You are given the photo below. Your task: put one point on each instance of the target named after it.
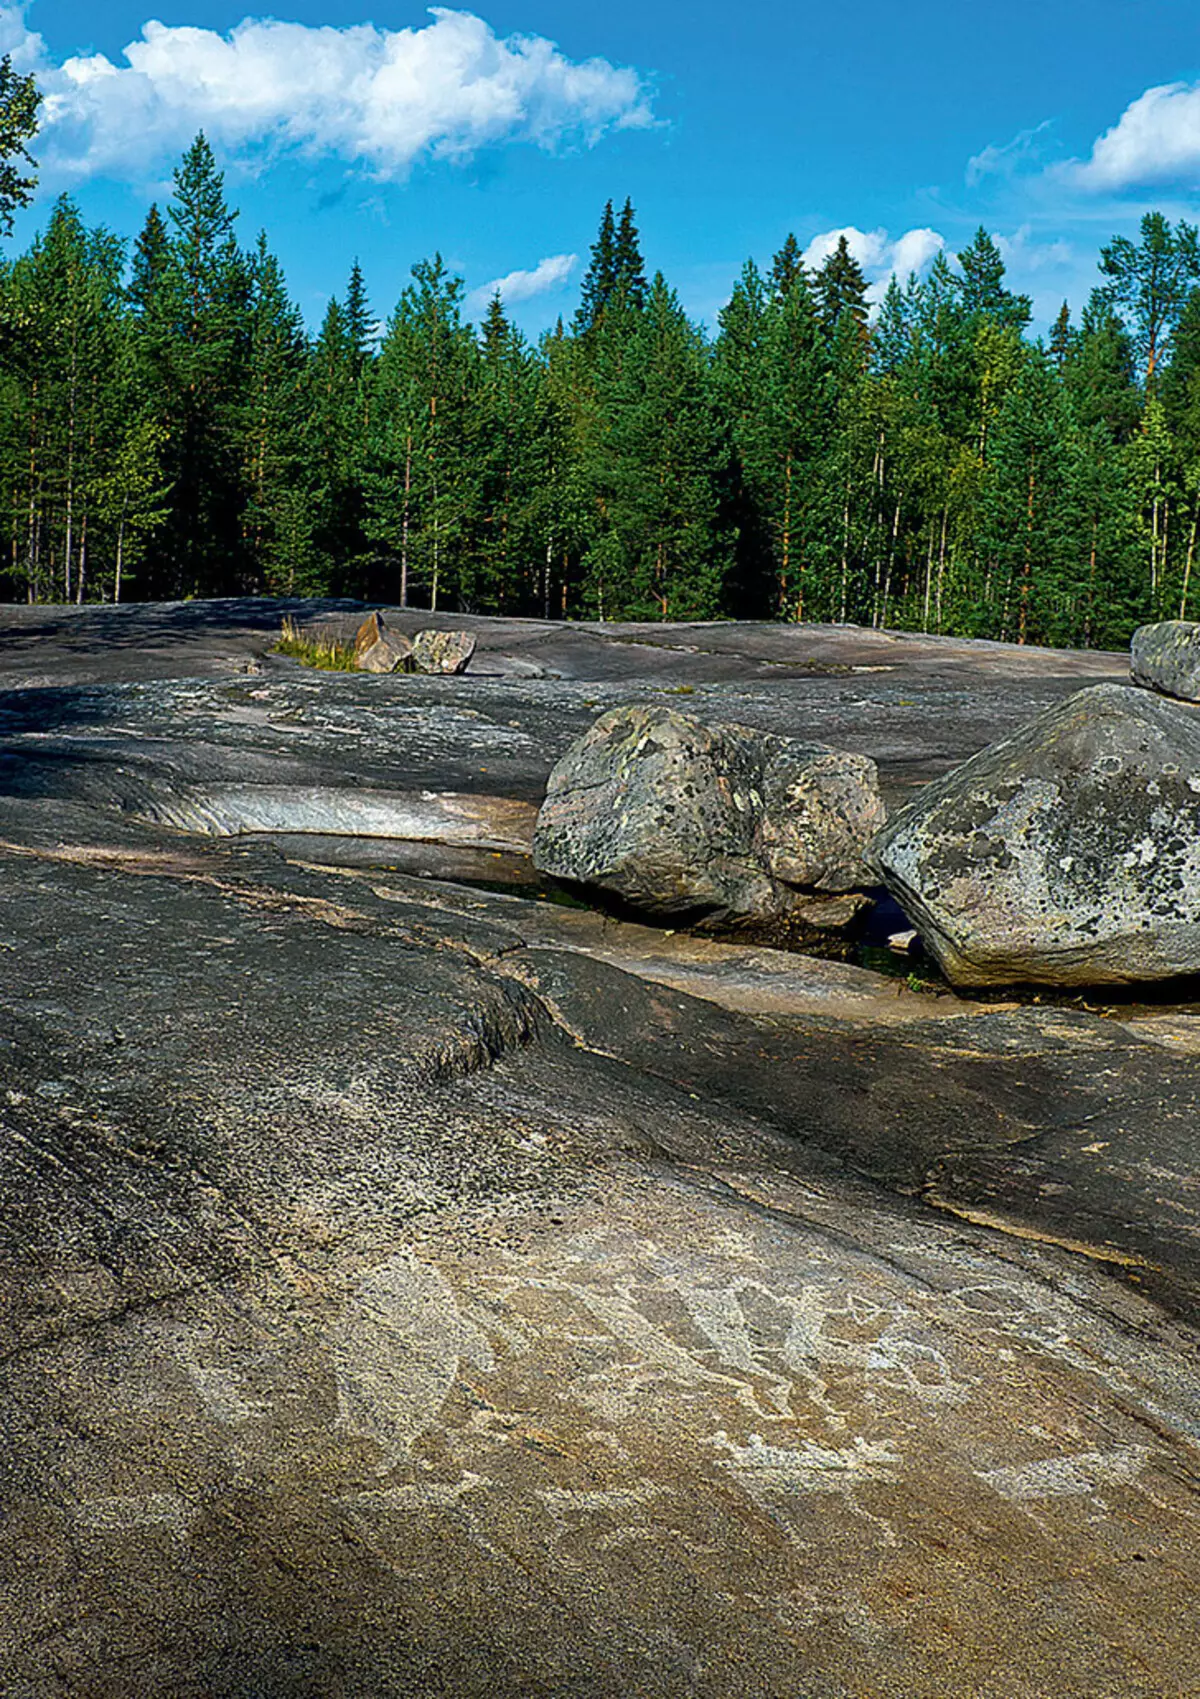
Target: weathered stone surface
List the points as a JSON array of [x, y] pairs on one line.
[[368, 634], [1166, 657], [442, 651], [378, 648], [675, 817], [820, 808], [410, 1289], [1067, 854]]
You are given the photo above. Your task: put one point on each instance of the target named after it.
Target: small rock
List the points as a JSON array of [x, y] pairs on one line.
[[392, 651], [378, 649], [368, 634], [1067, 854], [903, 942], [442, 651], [1166, 657]]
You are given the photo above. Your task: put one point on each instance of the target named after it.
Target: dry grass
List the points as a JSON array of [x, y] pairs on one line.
[[323, 653]]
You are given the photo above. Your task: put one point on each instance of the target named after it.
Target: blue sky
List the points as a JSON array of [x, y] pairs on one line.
[[381, 130]]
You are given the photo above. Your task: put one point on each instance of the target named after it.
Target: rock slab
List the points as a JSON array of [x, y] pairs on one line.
[[1067, 854], [677, 818], [1166, 657]]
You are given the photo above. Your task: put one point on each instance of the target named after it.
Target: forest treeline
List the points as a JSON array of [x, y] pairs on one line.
[[170, 429]]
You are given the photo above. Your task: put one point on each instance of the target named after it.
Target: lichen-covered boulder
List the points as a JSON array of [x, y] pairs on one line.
[[1166, 657], [1067, 854], [820, 807], [442, 651], [675, 817]]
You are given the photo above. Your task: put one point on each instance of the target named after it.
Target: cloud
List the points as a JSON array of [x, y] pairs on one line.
[[547, 274], [1155, 140], [1025, 252], [27, 48], [1006, 160], [880, 257], [379, 99]]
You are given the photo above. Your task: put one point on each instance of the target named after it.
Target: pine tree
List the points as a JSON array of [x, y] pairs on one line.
[[1098, 373], [892, 337], [499, 571], [1025, 513], [786, 441], [197, 348], [1151, 282]]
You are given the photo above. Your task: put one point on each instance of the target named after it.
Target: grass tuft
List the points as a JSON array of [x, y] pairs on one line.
[[324, 654]]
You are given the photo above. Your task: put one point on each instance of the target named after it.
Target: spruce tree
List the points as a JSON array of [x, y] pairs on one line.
[[786, 268], [1062, 337], [600, 279], [662, 551], [981, 285], [840, 287], [422, 484], [629, 275], [275, 467]]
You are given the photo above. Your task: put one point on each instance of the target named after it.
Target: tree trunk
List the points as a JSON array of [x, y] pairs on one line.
[[404, 520], [1027, 563], [1191, 555], [942, 564]]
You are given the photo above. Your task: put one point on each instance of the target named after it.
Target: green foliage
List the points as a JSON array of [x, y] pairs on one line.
[[19, 103], [168, 427], [1151, 282]]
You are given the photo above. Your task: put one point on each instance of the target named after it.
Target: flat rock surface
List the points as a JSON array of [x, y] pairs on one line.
[[409, 1288]]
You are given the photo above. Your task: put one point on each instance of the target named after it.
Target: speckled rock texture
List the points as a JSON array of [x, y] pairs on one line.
[[1166, 657], [675, 817], [442, 651], [1067, 854]]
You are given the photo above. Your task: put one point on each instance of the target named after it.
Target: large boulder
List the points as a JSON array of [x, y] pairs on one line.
[[1166, 657], [442, 651], [678, 818], [1067, 854]]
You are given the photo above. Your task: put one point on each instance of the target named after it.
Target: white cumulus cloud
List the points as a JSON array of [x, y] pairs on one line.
[[379, 99], [547, 274], [1156, 139]]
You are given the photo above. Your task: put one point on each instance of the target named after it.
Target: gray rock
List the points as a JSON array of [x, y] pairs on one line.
[[442, 651], [819, 808], [1067, 854], [676, 817], [1166, 657]]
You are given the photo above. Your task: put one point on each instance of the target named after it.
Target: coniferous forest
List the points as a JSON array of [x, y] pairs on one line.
[[169, 429]]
